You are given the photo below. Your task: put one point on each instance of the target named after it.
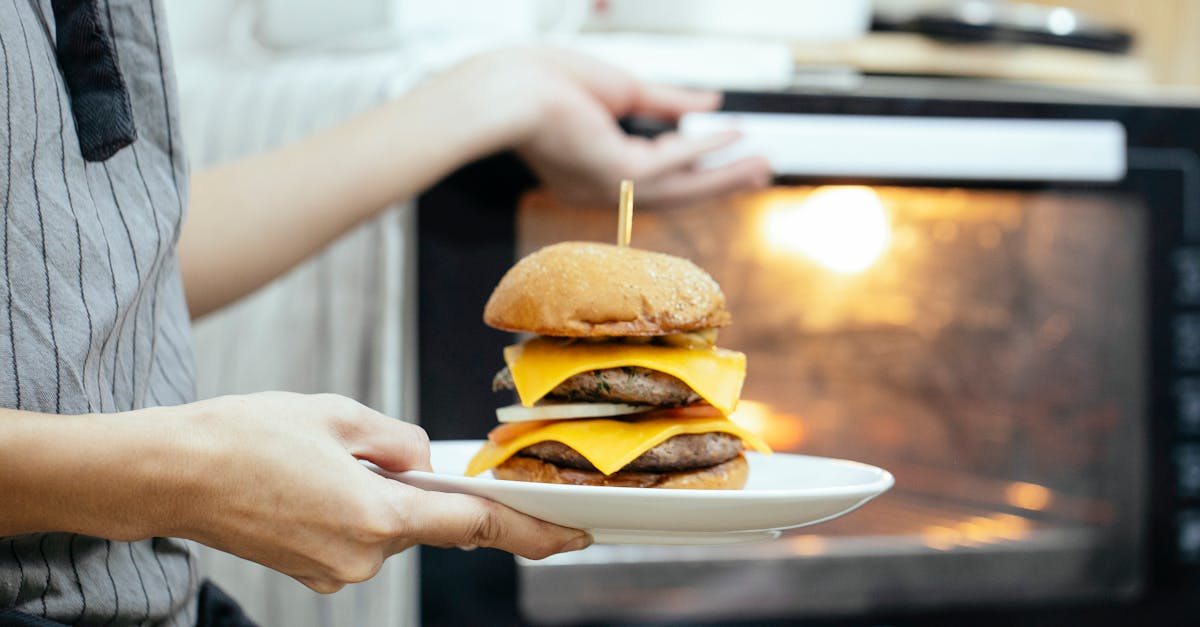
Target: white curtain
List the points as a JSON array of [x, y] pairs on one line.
[[343, 322]]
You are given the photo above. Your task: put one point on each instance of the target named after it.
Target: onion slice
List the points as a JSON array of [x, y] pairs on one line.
[[565, 411]]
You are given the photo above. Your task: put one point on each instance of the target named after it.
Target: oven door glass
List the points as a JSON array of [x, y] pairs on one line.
[[984, 345]]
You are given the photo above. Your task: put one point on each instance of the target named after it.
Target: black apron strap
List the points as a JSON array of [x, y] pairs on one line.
[[13, 618], [99, 100], [218, 609]]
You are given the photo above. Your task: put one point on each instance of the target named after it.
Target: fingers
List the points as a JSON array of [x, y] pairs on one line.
[[441, 519], [662, 101], [389, 443], [615, 88], [689, 186], [623, 94], [672, 151]]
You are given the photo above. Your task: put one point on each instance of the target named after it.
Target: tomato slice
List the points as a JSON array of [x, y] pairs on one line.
[[510, 430], [699, 410]]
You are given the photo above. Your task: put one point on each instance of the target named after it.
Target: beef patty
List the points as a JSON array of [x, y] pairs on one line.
[[682, 452], [629, 384]]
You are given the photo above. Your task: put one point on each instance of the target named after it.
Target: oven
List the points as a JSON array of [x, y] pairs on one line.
[[992, 292]]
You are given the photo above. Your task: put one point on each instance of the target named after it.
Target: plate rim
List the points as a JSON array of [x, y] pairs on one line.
[[883, 482]]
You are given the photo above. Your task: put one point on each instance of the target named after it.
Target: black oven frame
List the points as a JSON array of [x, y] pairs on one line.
[[466, 240]]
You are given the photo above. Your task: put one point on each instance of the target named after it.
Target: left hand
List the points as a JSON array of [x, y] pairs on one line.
[[571, 139]]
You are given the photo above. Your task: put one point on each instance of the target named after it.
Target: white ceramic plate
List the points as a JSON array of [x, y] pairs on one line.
[[783, 491]]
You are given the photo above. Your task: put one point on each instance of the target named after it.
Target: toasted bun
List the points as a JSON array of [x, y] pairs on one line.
[[730, 475], [582, 289]]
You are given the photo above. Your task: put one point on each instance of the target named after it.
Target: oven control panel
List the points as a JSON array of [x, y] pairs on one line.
[[1184, 430]]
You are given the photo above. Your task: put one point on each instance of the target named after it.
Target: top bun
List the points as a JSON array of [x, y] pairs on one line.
[[583, 289]]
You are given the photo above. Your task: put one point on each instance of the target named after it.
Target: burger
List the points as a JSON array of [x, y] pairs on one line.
[[621, 383]]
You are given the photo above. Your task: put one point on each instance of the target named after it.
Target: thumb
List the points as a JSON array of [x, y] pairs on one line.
[[391, 444], [443, 519]]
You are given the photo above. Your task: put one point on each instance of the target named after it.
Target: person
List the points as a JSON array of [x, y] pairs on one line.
[[106, 459]]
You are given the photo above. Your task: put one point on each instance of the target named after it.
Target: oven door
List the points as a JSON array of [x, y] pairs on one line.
[[991, 300]]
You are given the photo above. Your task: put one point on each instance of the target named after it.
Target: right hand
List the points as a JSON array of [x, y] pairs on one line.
[[566, 128], [278, 481]]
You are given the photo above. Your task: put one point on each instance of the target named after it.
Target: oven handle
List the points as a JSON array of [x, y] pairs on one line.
[[937, 148]]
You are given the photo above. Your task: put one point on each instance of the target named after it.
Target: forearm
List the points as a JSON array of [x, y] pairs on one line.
[[110, 475], [271, 477], [253, 219]]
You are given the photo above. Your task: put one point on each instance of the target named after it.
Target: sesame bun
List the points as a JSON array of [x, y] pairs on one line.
[[582, 289], [730, 475]]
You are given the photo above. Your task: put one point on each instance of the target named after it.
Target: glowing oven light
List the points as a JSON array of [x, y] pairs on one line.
[[1027, 495], [975, 532], [782, 432], [844, 228], [807, 544]]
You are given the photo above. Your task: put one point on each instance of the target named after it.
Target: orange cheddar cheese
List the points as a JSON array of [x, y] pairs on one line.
[[609, 444], [540, 365]]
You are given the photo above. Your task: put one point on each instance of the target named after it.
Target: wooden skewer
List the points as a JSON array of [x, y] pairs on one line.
[[625, 214]]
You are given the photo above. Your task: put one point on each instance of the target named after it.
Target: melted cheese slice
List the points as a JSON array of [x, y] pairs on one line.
[[540, 365], [609, 444]]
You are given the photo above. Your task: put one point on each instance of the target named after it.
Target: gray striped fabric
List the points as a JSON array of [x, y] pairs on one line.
[[92, 314]]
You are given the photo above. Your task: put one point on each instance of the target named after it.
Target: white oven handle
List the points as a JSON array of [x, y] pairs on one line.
[[938, 148]]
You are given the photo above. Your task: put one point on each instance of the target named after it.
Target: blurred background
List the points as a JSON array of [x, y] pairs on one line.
[[1011, 341]]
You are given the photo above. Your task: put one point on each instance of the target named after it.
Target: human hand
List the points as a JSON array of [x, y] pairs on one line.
[[275, 478], [570, 137]]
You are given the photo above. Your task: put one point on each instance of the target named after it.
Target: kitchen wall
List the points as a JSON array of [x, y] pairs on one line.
[[1167, 33]]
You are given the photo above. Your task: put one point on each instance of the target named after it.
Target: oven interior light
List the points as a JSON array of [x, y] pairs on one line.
[[844, 228], [1027, 495], [782, 432], [976, 531], [807, 544]]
